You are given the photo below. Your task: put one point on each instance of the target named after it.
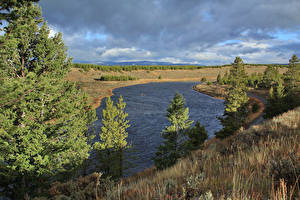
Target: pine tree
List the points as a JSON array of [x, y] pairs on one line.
[[285, 96], [219, 79], [168, 153], [235, 101], [113, 137], [6, 11], [271, 77], [43, 118], [293, 73], [196, 137]]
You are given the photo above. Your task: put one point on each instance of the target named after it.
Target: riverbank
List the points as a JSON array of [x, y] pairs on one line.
[[97, 90], [255, 97]]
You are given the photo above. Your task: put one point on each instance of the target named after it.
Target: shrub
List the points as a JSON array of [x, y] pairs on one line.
[[255, 107], [209, 83], [203, 79], [116, 78]]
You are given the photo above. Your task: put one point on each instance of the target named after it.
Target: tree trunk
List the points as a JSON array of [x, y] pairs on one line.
[[24, 189], [121, 163], [22, 67]]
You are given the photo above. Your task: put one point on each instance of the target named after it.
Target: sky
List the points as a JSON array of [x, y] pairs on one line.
[[205, 32]]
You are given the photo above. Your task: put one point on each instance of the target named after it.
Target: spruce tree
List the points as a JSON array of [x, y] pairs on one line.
[[169, 152], [235, 101], [293, 73], [43, 118], [113, 137], [6, 8], [285, 96], [196, 137], [271, 77], [219, 79]]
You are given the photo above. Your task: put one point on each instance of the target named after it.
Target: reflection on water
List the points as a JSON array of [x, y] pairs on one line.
[[146, 106]]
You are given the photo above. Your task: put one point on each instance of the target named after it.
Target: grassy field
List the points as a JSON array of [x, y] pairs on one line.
[[98, 89], [259, 163]]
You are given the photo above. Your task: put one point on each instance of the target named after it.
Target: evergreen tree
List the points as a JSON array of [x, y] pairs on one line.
[[293, 73], [271, 77], [219, 78], [235, 101], [113, 137], [275, 102], [284, 96], [6, 8], [168, 153], [43, 119], [196, 137], [28, 47]]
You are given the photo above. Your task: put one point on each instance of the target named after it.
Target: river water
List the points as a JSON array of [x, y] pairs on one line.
[[146, 106]]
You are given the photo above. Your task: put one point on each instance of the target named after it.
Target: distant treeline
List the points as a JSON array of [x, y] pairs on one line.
[[87, 67], [116, 78]]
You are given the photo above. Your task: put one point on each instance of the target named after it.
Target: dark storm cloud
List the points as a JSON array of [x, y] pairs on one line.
[[170, 26], [293, 47]]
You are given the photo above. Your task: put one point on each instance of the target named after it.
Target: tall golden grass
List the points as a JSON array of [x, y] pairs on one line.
[[261, 162]]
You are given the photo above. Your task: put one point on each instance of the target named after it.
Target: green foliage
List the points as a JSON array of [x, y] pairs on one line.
[[284, 96], [159, 77], [28, 47], [293, 73], [225, 79], [271, 77], [113, 137], [255, 107], [116, 78], [196, 137], [43, 118], [6, 8], [255, 80], [209, 83], [203, 79], [168, 153], [142, 67], [219, 79], [235, 101]]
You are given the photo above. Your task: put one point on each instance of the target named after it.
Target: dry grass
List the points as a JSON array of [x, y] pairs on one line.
[[217, 91], [259, 163], [98, 89]]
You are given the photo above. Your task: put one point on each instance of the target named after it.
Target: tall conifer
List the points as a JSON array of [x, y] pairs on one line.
[[43, 118], [113, 137], [169, 152], [235, 101]]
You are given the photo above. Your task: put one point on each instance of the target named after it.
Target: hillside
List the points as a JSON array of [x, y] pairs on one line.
[[261, 162]]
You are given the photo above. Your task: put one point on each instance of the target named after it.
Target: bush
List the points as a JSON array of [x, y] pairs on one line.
[[209, 83], [203, 79], [159, 77], [116, 78], [255, 107]]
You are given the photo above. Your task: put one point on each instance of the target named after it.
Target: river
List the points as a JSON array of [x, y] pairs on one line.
[[146, 105]]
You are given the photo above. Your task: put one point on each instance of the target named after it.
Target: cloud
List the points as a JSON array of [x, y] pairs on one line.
[[171, 29]]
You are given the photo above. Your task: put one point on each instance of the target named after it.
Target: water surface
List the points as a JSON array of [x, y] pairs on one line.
[[146, 106]]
